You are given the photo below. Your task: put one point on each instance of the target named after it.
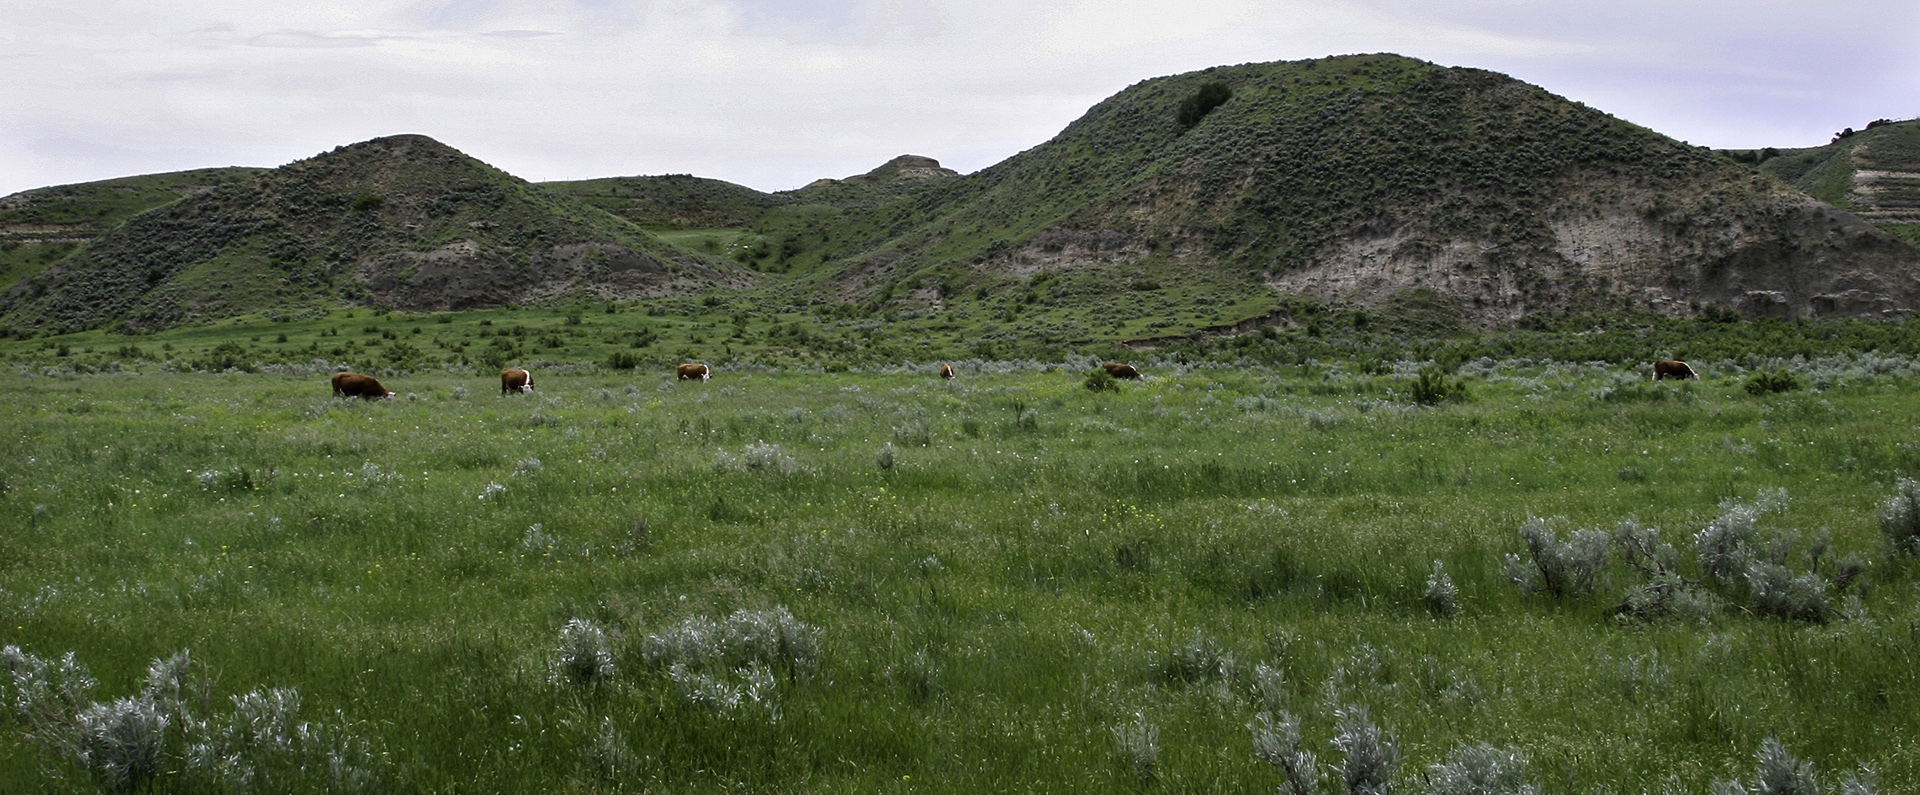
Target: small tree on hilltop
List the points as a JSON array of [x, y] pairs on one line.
[[1202, 102]]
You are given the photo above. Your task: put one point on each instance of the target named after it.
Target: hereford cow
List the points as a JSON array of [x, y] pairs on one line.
[[1667, 368], [693, 372], [1121, 371], [355, 385], [946, 372], [515, 380]]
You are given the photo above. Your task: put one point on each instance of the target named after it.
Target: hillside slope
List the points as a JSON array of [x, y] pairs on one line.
[[402, 221], [43, 226], [1351, 179], [1874, 173]]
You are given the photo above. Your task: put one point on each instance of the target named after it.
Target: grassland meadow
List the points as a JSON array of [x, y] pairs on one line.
[[1550, 577]]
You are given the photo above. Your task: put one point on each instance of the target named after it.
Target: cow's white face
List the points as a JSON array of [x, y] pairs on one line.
[[705, 374], [526, 388]]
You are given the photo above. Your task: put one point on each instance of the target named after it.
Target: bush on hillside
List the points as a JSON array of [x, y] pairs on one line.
[[1202, 102], [1433, 387], [1782, 380], [1099, 380]]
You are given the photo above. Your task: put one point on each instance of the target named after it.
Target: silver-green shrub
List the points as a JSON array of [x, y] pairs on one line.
[[1276, 741], [749, 691], [1727, 545], [262, 746], [43, 689], [1782, 773], [608, 754], [1442, 596], [119, 743], [1201, 659], [1858, 782], [760, 457], [585, 655], [1558, 568], [1777, 591], [1269, 688], [1139, 746], [728, 666], [1482, 770], [1900, 517], [1370, 754]]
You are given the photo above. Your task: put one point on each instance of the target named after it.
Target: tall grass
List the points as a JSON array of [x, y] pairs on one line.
[[623, 584]]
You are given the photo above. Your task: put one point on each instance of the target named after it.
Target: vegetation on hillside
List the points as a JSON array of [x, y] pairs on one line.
[[1874, 172], [1415, 199], [1310, 158], [403, 221], [41, 227]]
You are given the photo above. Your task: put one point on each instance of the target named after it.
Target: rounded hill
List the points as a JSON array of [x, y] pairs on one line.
[[1351, 179], [401, 221]]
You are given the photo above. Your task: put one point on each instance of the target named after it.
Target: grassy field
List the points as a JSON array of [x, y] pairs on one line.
[[875, 581]]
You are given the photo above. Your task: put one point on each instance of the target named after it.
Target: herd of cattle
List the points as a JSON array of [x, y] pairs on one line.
[[514, 379]]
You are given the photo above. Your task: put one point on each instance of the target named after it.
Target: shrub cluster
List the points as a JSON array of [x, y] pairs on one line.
[[1432, 386], [131, 743], [1735, 562], [729, 666], [1764, 383], [585, 655]]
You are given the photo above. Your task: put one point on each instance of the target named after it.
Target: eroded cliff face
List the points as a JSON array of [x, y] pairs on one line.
[[1786, 256]]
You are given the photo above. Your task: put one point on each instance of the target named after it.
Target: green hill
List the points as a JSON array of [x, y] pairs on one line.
[[673, 201], [43, 226], [766, 232], [1874, 173], [1435, 199], [404, 222], [1352, 179]]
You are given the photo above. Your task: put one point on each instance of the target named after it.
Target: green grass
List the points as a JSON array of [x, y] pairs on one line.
[[989, 607]]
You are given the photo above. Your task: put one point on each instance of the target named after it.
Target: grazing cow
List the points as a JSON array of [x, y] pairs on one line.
[[1667, 368], [514, 379], [946, 371], [693, 372], [1121, 371], [355, 385]]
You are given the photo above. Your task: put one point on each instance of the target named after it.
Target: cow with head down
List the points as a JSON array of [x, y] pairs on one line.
[[514, 379], [693, 372], [355, 385], [1668, 368], [1121, 371], [946, 372]]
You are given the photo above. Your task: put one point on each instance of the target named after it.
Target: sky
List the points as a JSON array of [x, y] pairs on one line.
[[773, 94]]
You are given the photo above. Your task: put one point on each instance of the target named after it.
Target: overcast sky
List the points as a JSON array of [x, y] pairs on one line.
[[773, 94]]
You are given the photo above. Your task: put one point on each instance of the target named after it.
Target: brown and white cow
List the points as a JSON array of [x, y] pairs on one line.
[[693, 372], [1668, 368], [1121, 371], [355, 385], [514, 379], [946, 372]]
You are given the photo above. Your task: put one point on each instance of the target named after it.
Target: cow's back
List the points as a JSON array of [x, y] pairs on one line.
[[361, 386], [1668, 368], [514, 379]]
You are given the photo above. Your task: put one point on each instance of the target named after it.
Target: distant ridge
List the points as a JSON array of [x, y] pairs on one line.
[[401, 221], [1214, 201]]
